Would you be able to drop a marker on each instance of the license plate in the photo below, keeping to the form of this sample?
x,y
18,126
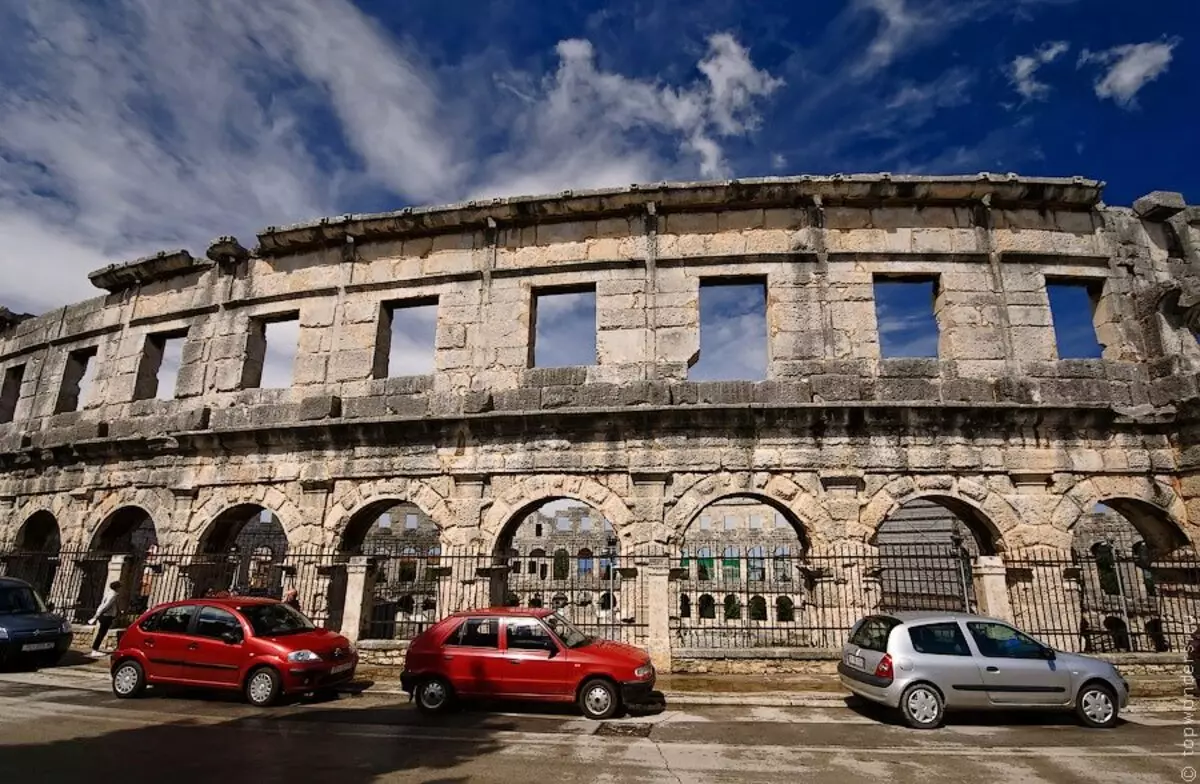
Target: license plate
x,y
341,668
856,661
38,646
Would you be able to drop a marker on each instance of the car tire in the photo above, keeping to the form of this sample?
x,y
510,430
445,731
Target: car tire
x,y
922,707
433,695
263,687
1096,706
598,700
128,680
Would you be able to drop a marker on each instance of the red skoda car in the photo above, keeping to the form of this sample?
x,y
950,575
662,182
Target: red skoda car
x,y
514,653
261,647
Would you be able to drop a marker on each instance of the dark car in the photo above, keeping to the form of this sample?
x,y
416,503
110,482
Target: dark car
x,y
29,630
261,647
519,654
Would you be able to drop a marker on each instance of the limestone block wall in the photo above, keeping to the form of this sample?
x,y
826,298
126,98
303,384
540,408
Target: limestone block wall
x,y
997,424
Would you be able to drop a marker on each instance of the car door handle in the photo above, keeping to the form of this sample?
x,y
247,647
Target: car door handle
x,y
149,642
447,657
993,669
514,661
193,646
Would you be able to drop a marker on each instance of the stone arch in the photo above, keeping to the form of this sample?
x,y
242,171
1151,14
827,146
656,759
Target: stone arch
x,y
360,504
39,533
128,528
116,509
986,513
223,531
1150,506
514,504
58,506
801,508
220,501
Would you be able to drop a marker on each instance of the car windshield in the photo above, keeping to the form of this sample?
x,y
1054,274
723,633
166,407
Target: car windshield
x,y
567,631
20,600
273,620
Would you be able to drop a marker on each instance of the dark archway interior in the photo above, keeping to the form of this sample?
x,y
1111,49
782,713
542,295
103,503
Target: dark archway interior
x,y
243,525
129,529
923,521
1160,533
39,534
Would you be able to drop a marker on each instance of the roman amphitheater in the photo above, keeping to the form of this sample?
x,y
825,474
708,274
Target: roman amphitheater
x,y
713,521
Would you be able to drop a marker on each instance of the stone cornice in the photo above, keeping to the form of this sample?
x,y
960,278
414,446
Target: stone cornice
x,y
163,265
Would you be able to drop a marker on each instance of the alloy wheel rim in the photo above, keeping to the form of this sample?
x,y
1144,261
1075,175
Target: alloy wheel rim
x,y
260,687
923,707
598,699
126,680
1097,706
433,694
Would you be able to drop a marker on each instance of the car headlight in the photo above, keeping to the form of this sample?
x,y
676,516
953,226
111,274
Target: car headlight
x,y
3,633
645,671
303,656
66,627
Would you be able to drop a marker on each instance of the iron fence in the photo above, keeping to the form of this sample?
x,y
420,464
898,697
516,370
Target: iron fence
x,y
1098,602
771,596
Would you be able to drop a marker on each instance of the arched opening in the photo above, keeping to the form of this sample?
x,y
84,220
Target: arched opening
x,y
685,606
570,549
785,610
926,549
1133,570
750,551
243,551
36,553
403,544
129,531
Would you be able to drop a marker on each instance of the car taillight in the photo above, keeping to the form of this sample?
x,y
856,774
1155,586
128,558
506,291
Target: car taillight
x,y
884,670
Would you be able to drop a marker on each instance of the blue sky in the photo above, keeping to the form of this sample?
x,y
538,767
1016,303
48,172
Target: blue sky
x,y
130,126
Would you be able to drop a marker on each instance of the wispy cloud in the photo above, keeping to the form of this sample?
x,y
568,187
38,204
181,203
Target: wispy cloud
x,y
1130,68
1023,69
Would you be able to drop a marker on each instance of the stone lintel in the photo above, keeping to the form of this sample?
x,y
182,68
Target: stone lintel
x,y
1158,206
1031,481
314,484
181,491
843,483
469,485
646,483
161,266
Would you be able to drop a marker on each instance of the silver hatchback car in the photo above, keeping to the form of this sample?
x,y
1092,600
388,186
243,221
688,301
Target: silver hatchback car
x,y
925,663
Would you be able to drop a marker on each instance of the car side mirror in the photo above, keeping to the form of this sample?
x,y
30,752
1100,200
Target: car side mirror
x,y
232,638
49,606
1048,653
551,648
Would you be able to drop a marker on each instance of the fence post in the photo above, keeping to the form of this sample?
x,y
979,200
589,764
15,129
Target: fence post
x,y
991,587
359,596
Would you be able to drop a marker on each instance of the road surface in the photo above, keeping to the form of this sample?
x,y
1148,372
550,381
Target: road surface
x,y
70,729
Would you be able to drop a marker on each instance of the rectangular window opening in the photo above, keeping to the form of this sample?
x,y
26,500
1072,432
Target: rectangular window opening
x,y
78,377
905,314
562,327
271,349
407,338
158,371
1073,313
10,392
733,330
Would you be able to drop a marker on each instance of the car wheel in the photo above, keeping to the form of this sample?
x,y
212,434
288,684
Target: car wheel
x,y
922,706
1097,706
263,687
598,700
433,695
128,680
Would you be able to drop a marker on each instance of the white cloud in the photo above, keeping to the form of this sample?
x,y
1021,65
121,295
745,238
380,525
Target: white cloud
x,y
1132,67
1022,71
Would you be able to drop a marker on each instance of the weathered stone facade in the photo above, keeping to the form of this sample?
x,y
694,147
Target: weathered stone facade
x,y
1019,443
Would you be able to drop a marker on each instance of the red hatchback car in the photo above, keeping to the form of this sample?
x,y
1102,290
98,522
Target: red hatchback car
x,y
514,653
261,647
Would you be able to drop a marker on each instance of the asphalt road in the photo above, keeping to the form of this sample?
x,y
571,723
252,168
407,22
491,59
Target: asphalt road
x,y
56,729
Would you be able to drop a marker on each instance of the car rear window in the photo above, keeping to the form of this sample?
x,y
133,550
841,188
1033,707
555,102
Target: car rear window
x,y
873,632
941,639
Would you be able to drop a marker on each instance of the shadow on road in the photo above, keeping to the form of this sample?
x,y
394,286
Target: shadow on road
x,y
973,718
304,746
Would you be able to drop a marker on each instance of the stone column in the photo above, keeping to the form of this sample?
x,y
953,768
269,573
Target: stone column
x,y
656,588
846,586
360,578
990,577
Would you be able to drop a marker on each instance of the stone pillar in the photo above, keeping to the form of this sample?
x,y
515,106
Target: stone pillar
x,y
990,577
845,587
360,590
656,588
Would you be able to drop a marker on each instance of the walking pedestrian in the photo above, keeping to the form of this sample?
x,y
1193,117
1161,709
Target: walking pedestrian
x,y
292,598
104,616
